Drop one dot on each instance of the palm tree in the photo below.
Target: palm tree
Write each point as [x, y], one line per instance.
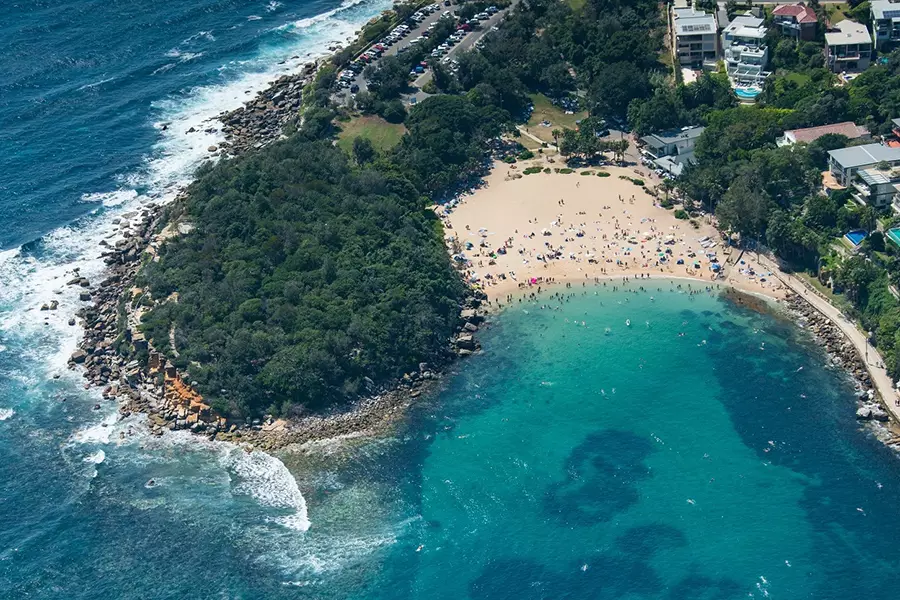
[667, 185]
[556, 133]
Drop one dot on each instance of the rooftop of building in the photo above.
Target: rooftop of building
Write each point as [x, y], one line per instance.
[746, 26]
[688, 21]
[848, 32]
[867, 154]
[882, 9]
[874, 176]
[847, 128]
[801, 12]
[664, 138]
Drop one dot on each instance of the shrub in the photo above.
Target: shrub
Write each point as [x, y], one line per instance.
[565, 171]
[681, 214]
[510, 160]
[393, 111]
[637, 181]
[526, 154]
[586, 173]
[547, 170]
[602, 174]
[532, 170]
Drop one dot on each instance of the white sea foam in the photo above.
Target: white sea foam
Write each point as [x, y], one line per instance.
[89, 86]
[99, 433]
[273, 6]
[163, 68]
[267, 480]
[308, 22]
[6, 413]
[96, 457]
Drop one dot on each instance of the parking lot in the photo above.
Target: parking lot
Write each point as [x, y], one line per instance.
[415, 30]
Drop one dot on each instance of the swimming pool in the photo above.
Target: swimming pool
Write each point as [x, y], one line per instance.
[749, 93]
[855, 237]
[894, 235]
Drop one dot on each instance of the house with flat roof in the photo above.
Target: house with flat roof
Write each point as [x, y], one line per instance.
[809, 134]
[848, 47]
[798, 20]
[745, 50]
[672, 150]
[876, 187]
[695, 40]
[885, 23]
[844, 163]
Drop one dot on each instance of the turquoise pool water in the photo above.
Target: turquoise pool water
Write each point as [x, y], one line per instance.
[894, 235]
[748, 93]
[855, 237]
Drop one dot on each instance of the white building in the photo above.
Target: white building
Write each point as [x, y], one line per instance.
[844, 163]
[848, 47]
[673, 150]
[746, 53]
[694, 38]
[885, 22]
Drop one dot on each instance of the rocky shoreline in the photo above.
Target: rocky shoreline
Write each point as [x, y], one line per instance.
[842, 354]
[263, 119]
[155, 388]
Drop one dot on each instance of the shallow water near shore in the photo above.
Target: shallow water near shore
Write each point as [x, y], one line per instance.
[568, 461]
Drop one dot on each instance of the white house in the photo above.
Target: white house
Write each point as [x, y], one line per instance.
[745, 50]
[694, 38]
[885, 22]
[844, 163]
[848, 47]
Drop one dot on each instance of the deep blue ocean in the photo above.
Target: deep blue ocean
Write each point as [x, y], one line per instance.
[576, 458]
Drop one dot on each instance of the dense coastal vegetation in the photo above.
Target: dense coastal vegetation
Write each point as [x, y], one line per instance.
[314, 270]
[310, 275]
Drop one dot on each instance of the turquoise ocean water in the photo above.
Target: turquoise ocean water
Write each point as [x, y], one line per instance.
[564, 462]
[569, 461]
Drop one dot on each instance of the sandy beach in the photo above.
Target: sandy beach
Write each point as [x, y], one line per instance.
[516, 233]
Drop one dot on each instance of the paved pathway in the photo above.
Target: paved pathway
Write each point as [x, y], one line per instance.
[530, 135]
[875, 364]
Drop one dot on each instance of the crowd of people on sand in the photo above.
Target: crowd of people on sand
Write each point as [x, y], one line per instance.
[616, 242]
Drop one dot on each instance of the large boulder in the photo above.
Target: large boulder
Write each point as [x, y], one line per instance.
[78, 356]
[465, 341]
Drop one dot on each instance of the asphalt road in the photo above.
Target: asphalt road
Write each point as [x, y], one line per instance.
[467, 43]
[414, 32]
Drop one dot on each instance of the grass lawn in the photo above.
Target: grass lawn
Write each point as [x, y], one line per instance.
[527, 142]
[545, 110]
[837, 12]
[799, 78]
[382, 134]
